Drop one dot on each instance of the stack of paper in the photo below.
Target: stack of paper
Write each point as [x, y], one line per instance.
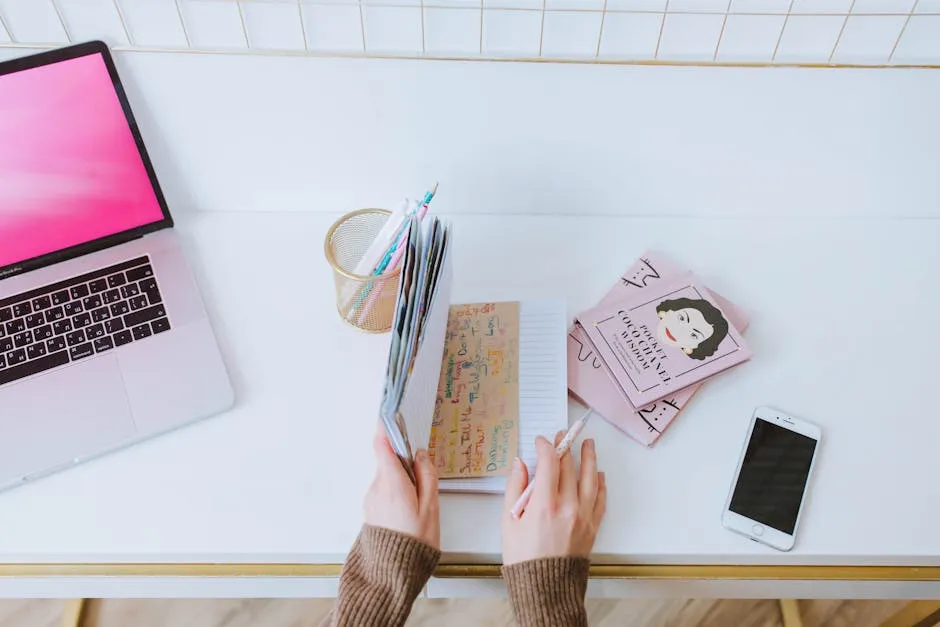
[417, 344]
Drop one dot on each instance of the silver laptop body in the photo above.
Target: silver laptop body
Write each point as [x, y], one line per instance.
[102, 344]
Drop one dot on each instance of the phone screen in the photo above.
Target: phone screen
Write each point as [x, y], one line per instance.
[773, 476]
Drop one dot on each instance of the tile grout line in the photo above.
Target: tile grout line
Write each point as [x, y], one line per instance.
[721, 34]
[542, 27]
[303, 26]
[58, 12]
[179, 12]
[3, 25]
[662, 26]
[845, 22]
[897, 42]
[424, 47]
[481, 27]
[362, 28]
[600, 33]
[783, 28]
[241, 16]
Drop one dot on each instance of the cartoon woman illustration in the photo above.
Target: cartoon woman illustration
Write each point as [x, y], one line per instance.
[693, 325]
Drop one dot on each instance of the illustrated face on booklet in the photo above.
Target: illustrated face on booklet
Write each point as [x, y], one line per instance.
[664, 339]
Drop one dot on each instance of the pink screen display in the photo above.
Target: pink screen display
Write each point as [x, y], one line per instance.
[70, 171]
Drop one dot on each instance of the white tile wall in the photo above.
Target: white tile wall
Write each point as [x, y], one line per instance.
[452, 30]
[274, 25]
[921, 41]
[512, 33]
[928, 6]
[868, 32]
[821, 6]
[751, 38]
[391, 29]
[154, 23]
[571, 34]
[868, 38]
[760, 6]
[333, 27]
[213, 24]
[33, 21]
[630, 35]
[690, 37]
[883, 6]
[809, 38]
[699, 6]
[93, 19]
[575, 5]
[636, 5]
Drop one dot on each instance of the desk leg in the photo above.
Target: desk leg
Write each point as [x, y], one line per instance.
[74, 613]
[790, 613]
[916, 614]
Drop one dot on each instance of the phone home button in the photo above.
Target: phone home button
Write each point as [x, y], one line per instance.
[757, 530]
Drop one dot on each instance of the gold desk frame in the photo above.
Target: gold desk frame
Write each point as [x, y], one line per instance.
[487, 571]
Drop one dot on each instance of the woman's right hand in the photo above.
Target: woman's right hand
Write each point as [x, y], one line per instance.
[565, 511]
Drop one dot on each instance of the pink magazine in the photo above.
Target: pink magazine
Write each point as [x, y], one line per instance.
[664, 339]
[588, 381]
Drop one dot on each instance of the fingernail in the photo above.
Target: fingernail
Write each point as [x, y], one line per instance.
[590, 443]
[602, 478]
[422, 455]
[516, 465]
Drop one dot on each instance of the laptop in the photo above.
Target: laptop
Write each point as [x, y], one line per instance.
[104, 339]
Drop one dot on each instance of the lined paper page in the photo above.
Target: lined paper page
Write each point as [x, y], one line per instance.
[543, 386]
[417, 403]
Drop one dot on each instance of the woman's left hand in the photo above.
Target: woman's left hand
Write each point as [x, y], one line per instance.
[395, 503]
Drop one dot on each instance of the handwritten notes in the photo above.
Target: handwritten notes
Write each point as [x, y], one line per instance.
[475, 432]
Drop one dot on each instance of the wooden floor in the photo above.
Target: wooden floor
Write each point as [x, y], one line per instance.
[450, 612]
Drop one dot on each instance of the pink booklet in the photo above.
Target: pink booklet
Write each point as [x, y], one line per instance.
[661, 341]
[590, 384]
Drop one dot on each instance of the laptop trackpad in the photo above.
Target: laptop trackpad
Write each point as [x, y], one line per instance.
[50, 420]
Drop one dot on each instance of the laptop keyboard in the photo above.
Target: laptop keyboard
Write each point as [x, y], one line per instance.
[73, 319]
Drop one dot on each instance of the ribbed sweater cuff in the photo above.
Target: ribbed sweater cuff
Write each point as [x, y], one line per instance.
[383, 575]
[549, 591]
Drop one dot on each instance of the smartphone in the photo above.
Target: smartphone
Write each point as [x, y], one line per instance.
[770, 484]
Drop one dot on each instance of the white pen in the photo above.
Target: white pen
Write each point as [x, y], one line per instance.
[560, 450]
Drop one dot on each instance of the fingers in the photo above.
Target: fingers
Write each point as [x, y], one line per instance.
[426, 477]
[388, 464]
[515, 485]
[547, 472]
[587, 486]
[568, 477]
[600, 505]
[384, 454]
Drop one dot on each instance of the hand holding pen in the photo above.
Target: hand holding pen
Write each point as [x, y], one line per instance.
[561, 449]
[566, 508]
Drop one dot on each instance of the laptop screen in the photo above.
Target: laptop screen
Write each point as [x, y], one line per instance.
[70, 169]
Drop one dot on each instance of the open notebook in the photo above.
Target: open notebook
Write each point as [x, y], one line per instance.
[520, 384]
[417, 346]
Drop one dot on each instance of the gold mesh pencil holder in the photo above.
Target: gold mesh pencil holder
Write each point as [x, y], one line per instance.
[365, 302]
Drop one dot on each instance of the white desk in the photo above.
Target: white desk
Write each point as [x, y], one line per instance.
[842, 327]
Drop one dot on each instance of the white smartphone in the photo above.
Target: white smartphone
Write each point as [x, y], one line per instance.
[770, 484]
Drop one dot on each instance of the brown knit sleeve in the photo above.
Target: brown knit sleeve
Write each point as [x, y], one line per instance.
[382, 577]
[549, 592]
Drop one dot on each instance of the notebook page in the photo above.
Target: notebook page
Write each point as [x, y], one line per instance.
[543, 387]
[417, 403]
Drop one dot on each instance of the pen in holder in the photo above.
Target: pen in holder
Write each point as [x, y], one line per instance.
[363, 301]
